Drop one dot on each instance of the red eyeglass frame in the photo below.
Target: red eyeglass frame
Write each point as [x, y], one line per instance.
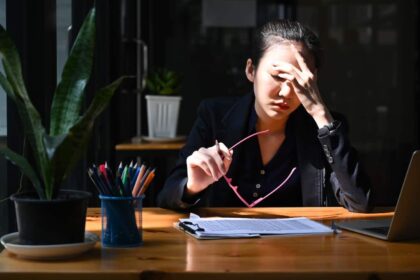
[235, 188]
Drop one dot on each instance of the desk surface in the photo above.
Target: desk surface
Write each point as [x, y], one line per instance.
[170, 254]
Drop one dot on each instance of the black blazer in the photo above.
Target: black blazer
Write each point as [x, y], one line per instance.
[340, 181]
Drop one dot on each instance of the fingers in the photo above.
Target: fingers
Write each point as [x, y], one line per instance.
[294, 81]
[304, 75]
[289, 71]
[301, 61]
[205, 163]
[227, 156]
[196, 160]
[285, 76]
[226, 153]
[214, 161]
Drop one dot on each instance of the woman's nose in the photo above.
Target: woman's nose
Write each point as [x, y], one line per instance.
[286, 89]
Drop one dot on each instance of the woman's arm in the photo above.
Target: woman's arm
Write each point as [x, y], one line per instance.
[349, 182]
[197, 167]
[173, 190]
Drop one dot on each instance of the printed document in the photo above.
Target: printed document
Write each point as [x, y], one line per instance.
[213, 228]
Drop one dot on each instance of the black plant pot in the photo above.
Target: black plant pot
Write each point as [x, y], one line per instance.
[58, 221]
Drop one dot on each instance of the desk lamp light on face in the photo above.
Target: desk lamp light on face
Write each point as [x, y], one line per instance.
[235, 188]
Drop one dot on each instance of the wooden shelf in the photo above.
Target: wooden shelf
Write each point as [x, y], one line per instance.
[147, 146]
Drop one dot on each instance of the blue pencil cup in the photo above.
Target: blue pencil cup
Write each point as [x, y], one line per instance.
[121, 221]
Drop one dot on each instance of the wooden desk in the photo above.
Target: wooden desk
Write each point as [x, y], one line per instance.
[170, 254]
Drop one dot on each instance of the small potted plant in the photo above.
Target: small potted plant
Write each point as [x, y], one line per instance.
[163, 104]
[50, 215]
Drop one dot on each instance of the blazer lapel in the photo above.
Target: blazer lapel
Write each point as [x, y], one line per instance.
[235, 124]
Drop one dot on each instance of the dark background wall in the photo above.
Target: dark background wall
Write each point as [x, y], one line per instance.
[370, 71]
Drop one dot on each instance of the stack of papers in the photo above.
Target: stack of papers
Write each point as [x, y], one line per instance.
[217, 228]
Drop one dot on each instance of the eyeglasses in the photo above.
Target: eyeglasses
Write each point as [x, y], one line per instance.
[235, 188]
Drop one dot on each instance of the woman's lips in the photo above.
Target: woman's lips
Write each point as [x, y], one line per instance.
[281, 106]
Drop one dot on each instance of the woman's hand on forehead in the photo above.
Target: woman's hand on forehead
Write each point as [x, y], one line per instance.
[301, 61]
[300, 64]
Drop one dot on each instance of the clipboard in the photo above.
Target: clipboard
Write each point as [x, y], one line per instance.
[198, 234]
[220, 228]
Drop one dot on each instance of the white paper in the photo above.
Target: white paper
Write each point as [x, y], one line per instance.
[251, 227]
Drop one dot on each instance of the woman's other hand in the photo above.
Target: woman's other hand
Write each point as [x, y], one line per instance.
[306, 87]
[206, 166]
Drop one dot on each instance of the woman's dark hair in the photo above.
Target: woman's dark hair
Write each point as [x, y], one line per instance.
[278, 31]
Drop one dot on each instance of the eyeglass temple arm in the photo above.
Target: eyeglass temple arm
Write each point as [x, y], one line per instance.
[278, 187]
[248, 137]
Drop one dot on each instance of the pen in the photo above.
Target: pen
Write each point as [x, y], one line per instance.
[124, 175]
[95, 181]
[127, 183]
[134, 178]
[109, 173]
[137, 185]
[101, 180]
[146, 174]
[118, 183]
[147, 182]
[128, 180]
[106, 179]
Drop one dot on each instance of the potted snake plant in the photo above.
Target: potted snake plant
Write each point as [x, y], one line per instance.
[163, 104]
[50, 215]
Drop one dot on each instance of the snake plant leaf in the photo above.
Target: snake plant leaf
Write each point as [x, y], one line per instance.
[7, 87]
[55, 154]
[64, 150]
[25, 167]
[34, 130]
[68, 97]
[11, 61]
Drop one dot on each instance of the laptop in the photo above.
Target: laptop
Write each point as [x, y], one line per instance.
[404, 224]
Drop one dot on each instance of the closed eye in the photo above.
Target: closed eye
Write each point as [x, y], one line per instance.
[277, 78]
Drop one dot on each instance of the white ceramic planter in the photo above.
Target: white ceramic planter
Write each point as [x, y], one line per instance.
[162, 115]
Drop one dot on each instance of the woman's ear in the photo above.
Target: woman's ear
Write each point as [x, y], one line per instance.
[249, 70]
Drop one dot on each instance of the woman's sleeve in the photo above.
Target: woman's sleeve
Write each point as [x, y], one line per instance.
[349, 182]
[171, 195]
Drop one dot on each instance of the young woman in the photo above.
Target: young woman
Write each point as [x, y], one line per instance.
[298, 154]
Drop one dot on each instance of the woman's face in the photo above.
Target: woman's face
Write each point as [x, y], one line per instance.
[275, 97]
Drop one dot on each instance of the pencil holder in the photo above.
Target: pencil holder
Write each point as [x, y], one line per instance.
[121, 221]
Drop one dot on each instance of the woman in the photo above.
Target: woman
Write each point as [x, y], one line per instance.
[299, 155]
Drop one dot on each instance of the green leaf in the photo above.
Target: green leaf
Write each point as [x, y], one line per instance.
[163, 81]
[33, 128]
[56, 155]
[64, 150]
[7, 87]
[25, 167]
[68, 98]
[11, 61]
